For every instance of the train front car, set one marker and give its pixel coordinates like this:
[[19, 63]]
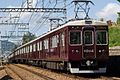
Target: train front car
[[88, 46]]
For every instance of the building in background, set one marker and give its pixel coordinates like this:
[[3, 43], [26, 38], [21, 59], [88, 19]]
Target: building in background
[[6, 47]]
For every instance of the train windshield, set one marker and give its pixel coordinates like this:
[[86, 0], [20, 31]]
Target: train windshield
[[88, 37], [101, 37], [75, 37]]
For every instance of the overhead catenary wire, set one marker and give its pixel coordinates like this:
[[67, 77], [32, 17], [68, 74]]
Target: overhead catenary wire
[[19, 15], [39, 26], [36, 17], [39, 19], [32, 12]]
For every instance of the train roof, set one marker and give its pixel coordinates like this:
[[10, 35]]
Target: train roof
[[70, 23]]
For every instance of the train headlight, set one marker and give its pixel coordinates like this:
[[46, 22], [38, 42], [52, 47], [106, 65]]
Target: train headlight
[[88, 63], [77, 51], [101, 51]]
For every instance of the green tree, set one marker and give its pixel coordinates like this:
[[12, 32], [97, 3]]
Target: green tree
[[118, 0], [28, 37], [14, 48], [114, 38], [118, 19]]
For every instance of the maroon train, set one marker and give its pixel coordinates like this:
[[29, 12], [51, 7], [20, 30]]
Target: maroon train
[[79, 46]]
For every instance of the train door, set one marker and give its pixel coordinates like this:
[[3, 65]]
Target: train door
[[88, 43], [62, 45]]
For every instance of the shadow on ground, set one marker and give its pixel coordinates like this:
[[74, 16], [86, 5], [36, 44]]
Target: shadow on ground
[[7, 77]]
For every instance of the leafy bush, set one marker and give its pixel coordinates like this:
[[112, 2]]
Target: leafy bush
[[114, 36]]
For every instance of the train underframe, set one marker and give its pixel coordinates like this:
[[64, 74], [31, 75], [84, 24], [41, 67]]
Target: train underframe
[[88, 66], [83, 66]]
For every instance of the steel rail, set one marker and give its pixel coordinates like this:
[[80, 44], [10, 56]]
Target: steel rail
[[36, 73]]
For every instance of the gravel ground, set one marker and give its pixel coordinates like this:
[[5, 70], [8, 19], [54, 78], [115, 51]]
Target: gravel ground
[[2, 73], [54, 75], [60, 76], [12, 74], [25, 74]]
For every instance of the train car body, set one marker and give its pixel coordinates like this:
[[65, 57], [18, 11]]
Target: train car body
[[80, 46]]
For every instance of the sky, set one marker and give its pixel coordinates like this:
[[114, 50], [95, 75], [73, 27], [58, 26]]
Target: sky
[[106, 9], [100, 9]]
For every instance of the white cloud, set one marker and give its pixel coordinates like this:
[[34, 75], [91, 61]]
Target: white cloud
[[109, 11]]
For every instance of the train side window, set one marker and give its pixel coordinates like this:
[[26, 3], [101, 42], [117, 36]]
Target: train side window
[[101, 37], [24, 50], [62, 39], [27, 49], [40, 45], [54, 41], [34, 47], [30, 48], [88, 37], [46, 43], [75, 37], [20, 51]]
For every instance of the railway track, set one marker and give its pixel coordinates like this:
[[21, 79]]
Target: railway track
[[57, 75], [5, 75], [54, 75], [38, 74], [69, 76], [18, 75]]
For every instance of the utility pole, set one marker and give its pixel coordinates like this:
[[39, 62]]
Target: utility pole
[[65, 12], [29, 3], [54, 22], [30, 8]]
